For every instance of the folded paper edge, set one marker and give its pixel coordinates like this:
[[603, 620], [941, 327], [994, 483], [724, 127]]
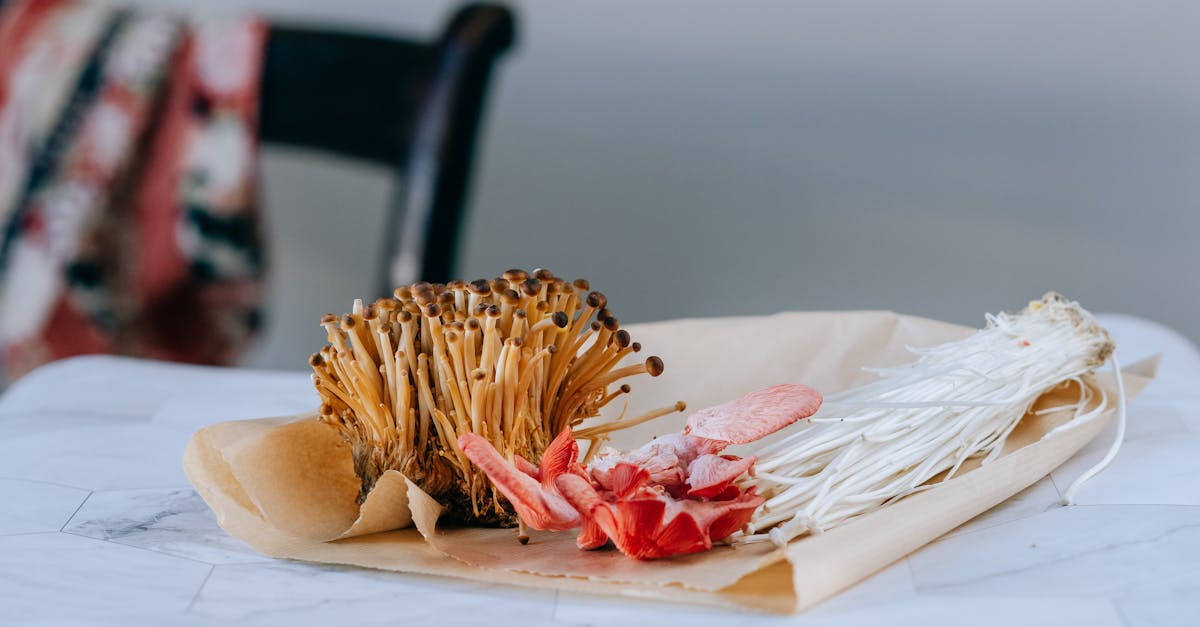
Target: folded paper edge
[[386, 507], [1017, 468], [204, 467]]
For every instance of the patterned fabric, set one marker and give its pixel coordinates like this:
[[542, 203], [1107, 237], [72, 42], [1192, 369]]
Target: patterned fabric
[[127, 184]]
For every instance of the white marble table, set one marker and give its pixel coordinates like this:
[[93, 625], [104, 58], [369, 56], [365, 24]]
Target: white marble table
[[98, 524]]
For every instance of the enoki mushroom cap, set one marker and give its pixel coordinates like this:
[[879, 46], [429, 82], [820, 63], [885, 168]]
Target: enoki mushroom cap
[[531, 287], [515, 275], [425, 297]]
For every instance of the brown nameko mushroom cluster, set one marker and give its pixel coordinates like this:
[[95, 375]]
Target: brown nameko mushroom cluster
[[516, 360]]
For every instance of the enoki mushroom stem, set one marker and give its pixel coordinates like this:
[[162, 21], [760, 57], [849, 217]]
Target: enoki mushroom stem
[[961, 400], [515, 360]]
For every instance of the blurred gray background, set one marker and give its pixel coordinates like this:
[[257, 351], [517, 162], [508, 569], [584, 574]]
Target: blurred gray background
[[707, 158]]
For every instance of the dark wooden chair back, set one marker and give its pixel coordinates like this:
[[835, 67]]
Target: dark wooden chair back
[[414, 107]]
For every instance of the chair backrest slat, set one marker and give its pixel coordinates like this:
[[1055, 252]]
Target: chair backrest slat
[[414, 107], [352, 95]]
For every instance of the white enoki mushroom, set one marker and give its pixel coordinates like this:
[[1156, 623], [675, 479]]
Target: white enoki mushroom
[[1069, 496], [877, 443]]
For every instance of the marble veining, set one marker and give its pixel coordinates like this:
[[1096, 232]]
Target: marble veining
[[170, 521], [98, 525]]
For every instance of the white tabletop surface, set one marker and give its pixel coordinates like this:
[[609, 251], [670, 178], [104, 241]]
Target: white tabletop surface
[[98, 524]]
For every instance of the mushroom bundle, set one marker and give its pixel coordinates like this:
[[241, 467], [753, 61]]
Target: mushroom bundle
[[874, 444], [515, 360]]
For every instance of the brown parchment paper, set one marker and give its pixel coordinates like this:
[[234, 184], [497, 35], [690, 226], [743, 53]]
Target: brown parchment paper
[[286, 486]]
